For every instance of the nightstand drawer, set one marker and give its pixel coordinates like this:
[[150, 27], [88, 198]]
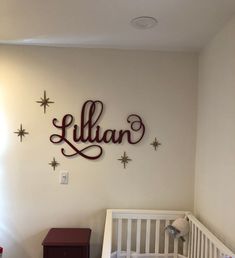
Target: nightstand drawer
[[64, 252], [67, 243]]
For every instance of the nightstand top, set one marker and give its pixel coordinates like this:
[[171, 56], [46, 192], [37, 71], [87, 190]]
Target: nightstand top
[[67, 237]]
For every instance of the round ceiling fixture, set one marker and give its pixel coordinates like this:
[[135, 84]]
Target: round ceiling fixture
[[144, 22]]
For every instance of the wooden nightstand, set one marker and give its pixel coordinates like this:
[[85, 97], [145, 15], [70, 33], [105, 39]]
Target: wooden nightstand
[[67, 243]]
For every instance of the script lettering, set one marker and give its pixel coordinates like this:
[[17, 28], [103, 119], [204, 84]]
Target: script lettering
[[89, 131]]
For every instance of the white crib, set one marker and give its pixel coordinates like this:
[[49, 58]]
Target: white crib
[[141, 234]]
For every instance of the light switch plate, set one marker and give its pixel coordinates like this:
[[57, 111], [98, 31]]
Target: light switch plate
[[64, 177]]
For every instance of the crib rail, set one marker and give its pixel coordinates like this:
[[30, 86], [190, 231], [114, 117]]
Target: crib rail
[[203, 244], [140, 234]]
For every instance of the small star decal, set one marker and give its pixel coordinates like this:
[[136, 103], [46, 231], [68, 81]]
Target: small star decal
[[124, 159], [155, 144], [45, 101], [21, 132], [54, 163]]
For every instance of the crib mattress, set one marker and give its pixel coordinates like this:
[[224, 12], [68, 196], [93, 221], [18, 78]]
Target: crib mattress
[[135, 255]]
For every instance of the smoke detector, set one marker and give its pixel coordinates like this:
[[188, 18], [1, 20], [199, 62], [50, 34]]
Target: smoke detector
[[144, 22]]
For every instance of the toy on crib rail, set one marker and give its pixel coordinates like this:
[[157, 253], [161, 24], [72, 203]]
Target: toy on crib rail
[[179, 228]]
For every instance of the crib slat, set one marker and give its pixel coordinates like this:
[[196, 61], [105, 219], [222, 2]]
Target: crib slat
[[138, 236], [157, 230], [198, 243], [211, 250], [185, 246], [202, 245], [190, 240], [147, 240], [128, 246], [176, 244], [215, 252], [206, 247], [194, 241], [166, 247], [119, 238]]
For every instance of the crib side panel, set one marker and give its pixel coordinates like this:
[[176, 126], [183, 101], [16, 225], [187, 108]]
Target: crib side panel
[[142, 234], [203, 244]]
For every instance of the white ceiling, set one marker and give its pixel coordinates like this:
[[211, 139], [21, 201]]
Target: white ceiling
[[183, 24]]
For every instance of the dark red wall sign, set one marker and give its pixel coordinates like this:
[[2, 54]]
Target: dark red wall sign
[[89, 131]]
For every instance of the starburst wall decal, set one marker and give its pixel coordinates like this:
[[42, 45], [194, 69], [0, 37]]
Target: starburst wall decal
[[45, 101], [124, 159], [54, 163], [155, 144], [21, 132]]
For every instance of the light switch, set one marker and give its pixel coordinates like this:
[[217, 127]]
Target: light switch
[[64, 177]]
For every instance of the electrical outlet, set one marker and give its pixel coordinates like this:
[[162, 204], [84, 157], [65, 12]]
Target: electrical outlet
[[64, 177]]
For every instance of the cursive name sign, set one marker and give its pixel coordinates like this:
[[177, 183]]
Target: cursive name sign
[[89, 131]]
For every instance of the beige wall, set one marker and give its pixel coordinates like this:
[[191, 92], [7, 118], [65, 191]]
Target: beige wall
[[215, 162], [161, 87]]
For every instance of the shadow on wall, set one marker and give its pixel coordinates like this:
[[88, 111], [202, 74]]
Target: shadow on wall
[[15, 245], [94, 220], [33, 244]]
